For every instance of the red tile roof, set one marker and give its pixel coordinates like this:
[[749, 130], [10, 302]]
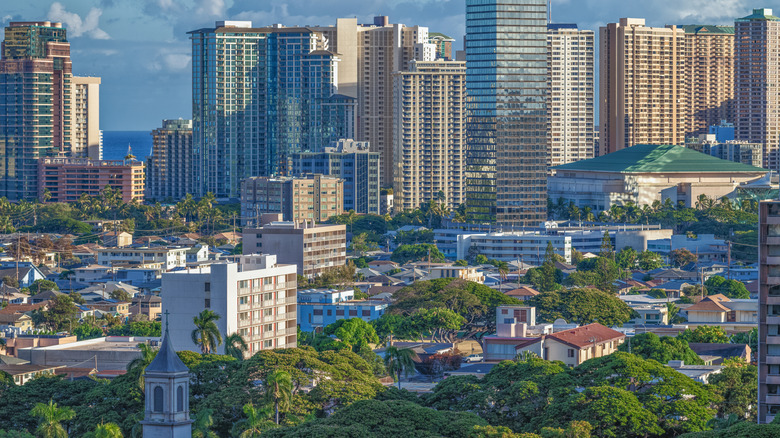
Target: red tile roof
[[523, 291], [585, 336]]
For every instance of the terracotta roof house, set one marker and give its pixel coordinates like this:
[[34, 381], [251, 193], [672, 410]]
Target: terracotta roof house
[[577, 345], [522, 293]]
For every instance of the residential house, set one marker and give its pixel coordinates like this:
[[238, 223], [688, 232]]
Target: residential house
[[715, 309], [575, 346], [92, 274], [12, 295], [17, 322], [112, 307], [25, 372], [522, 293], [650, 315], [720, 352], [468, 273], [25, 274], [699, 373], [44, 296], [146, 304]]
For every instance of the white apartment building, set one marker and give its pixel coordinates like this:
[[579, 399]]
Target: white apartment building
[[526, 247], [255, 298], [570, 102], [170, 257]]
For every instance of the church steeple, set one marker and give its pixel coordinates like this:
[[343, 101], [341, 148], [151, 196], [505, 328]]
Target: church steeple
[[167, 381]]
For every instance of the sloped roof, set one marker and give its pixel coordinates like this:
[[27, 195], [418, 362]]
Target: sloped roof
[[708, 29], [523, 291], [646, 158], [759, 15], [166, 361], [708, 305], [587, 335]]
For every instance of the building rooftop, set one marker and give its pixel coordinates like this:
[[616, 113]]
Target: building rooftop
[[587, 335], [708, 29], [646, 158], [762, 14]]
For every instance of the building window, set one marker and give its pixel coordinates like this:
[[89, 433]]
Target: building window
[[158, 399], [207, 287], [353, 312], [366, 313], [317, 312], [571, 352], [180, 398], [207, 303]]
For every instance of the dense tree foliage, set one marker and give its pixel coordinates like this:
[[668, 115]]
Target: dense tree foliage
[[661, 349], [709, 334], [582, 306], [737, 387], [730, 288], [417, 252]]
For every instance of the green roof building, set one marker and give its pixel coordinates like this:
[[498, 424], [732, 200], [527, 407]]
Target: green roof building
[[644, 173]]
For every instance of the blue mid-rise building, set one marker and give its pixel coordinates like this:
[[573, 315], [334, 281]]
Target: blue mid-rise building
[[318, 308]]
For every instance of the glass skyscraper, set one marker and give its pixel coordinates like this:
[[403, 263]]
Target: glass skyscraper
[[259, 94], [506, 130]]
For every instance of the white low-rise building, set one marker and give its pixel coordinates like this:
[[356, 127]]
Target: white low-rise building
[[171, 257]]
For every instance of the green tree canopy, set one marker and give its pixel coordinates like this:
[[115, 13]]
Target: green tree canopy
[[42, 285], [730, 288], [416, 252], [709, 334], [353, 332], [737, 387], [661, 349], [626, 258], [648, 260], [582, 306]]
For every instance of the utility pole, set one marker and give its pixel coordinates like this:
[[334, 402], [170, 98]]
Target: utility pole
[[728, 263]]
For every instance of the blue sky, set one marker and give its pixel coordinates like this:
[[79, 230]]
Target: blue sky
[[141, 51]]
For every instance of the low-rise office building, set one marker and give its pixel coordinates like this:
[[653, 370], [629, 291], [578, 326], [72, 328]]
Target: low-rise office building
[[255, 298], [313, 248], [319, 308], [67, 178]]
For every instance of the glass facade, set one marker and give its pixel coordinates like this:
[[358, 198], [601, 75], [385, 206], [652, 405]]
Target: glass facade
[[259, 94], [506, 130]]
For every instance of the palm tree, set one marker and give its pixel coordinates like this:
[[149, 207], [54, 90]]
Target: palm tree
[[50, 416], [201, 427], [279, 389], [108, 430], [140, 363], [674, 313], [256, 421], [235, 346], [399, 360], [206, 333]]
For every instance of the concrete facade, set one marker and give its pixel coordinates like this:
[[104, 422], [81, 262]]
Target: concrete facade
[[641, 82], [255, 298], [68, 178], [169, 168], [313, 248], [86, 138], [172, 257], [768, 311], [311, 197], [429, 116]]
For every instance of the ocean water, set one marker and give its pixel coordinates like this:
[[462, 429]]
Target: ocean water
[[115, 144]]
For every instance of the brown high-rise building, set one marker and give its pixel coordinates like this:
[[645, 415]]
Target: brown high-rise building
[[35, 103], [709, 77], [641, 85], [768, 311], [169, 168], [756, 92]]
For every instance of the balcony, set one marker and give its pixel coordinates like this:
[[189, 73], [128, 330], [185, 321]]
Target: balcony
[[773, 360]]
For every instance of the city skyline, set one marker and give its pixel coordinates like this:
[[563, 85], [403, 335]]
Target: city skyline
[[142, 53]]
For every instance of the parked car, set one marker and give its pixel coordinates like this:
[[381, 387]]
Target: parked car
[[474, 358]]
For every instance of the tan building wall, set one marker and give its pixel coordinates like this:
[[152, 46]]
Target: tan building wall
[[570, 102], [709, 77], [429, 114], [757, 68], [641, 85], [86, 139], [313, 197], [313, 248]]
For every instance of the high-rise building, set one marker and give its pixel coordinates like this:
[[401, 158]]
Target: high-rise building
[[313, 248], [709, 76], [570, 104], [169, 168], [768, 310], [35, 103], [306, 198], [756, 70], [506, 132], [383, 49], [86, 139], [255, 298], [429, 114], [260, 94], [354, 163], [641, 85]]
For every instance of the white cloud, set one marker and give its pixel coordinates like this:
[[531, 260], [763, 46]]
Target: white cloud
[[211, 8], [75, 25], [170, 60]]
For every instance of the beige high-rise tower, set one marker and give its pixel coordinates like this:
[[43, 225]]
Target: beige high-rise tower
[[709, 76], [756, 73], [429, 106], [85, 100], [570, 70], [641, 85]]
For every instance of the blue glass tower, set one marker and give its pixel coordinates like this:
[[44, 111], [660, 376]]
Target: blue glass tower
[[506, 130]]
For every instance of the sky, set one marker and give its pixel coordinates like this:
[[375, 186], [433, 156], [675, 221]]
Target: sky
[[141, 51]]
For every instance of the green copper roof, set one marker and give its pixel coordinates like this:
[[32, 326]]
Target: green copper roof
[[763, 14], [439, 34], [708, 29], [647, 158]]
